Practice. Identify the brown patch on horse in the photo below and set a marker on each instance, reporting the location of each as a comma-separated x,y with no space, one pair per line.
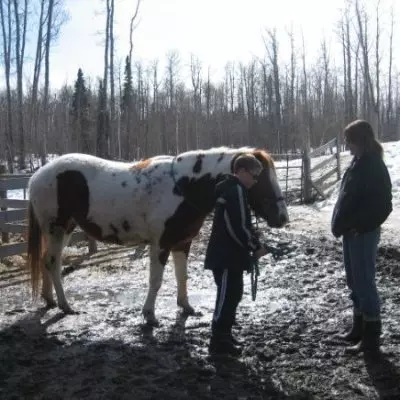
141,165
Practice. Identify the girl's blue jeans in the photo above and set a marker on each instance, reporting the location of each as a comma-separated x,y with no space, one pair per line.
359,256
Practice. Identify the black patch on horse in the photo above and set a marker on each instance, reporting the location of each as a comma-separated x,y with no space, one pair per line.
221,157
114,229
198,201
123,184
126,226
198,163
73,205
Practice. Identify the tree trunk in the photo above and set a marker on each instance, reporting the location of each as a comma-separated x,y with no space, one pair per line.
20,53
34,111
43,148
112,84
7,44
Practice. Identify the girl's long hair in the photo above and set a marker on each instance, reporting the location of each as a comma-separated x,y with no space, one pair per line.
360,132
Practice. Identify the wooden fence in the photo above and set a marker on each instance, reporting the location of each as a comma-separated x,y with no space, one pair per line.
13,217
301,180
320,177
290,175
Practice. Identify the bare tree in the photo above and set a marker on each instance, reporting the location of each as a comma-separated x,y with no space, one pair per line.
112,135
6,28
103,123
307,116
250,83
347,65
20,40
272,50
195,69
54,19
171,84
34,110
370,105
377,103
389,108
132,28
43,148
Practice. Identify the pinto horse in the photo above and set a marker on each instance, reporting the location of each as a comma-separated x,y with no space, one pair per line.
161,201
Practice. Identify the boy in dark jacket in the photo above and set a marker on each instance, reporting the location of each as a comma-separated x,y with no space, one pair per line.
232,242
364,203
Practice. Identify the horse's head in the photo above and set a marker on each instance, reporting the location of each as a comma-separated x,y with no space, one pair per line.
265,197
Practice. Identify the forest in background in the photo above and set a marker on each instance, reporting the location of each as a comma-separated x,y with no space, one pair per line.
138,110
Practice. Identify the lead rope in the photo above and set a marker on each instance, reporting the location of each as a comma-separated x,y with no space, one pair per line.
255,271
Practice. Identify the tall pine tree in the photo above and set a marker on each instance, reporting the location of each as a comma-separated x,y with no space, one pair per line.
80,112
127,111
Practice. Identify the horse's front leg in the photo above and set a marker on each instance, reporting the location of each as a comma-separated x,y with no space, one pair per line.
180,256
158,259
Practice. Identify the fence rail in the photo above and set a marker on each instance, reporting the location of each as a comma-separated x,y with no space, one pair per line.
13,218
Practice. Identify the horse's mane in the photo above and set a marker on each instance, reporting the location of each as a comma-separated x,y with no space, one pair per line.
264,157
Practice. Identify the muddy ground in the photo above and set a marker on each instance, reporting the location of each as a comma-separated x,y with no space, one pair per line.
106,352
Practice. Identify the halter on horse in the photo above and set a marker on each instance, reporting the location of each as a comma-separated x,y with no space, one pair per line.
161,201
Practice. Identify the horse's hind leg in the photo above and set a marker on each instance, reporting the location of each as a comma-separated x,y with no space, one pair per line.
158,259
47,289
52,262
180,256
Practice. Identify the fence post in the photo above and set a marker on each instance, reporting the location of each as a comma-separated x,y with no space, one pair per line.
338,149
287,175
3,195
307,188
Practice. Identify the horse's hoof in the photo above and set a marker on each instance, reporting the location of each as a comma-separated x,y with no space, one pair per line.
50,304
150,318
68,310
186,307
189,310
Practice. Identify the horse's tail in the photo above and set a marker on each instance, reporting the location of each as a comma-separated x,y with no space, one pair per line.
35,248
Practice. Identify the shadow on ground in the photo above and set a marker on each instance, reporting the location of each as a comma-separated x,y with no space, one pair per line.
36,364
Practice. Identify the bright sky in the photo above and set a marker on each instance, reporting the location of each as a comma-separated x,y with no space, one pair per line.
216,31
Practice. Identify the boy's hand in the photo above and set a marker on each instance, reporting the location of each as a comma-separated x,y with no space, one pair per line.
260,252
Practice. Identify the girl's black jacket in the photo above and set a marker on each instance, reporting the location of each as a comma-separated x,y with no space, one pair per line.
365,197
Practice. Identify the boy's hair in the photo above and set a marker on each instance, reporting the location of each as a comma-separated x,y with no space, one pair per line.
360,132
247,162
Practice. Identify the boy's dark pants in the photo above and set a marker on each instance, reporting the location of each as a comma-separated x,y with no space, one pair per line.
230,291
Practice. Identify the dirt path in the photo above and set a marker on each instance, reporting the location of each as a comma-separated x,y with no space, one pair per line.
106,353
